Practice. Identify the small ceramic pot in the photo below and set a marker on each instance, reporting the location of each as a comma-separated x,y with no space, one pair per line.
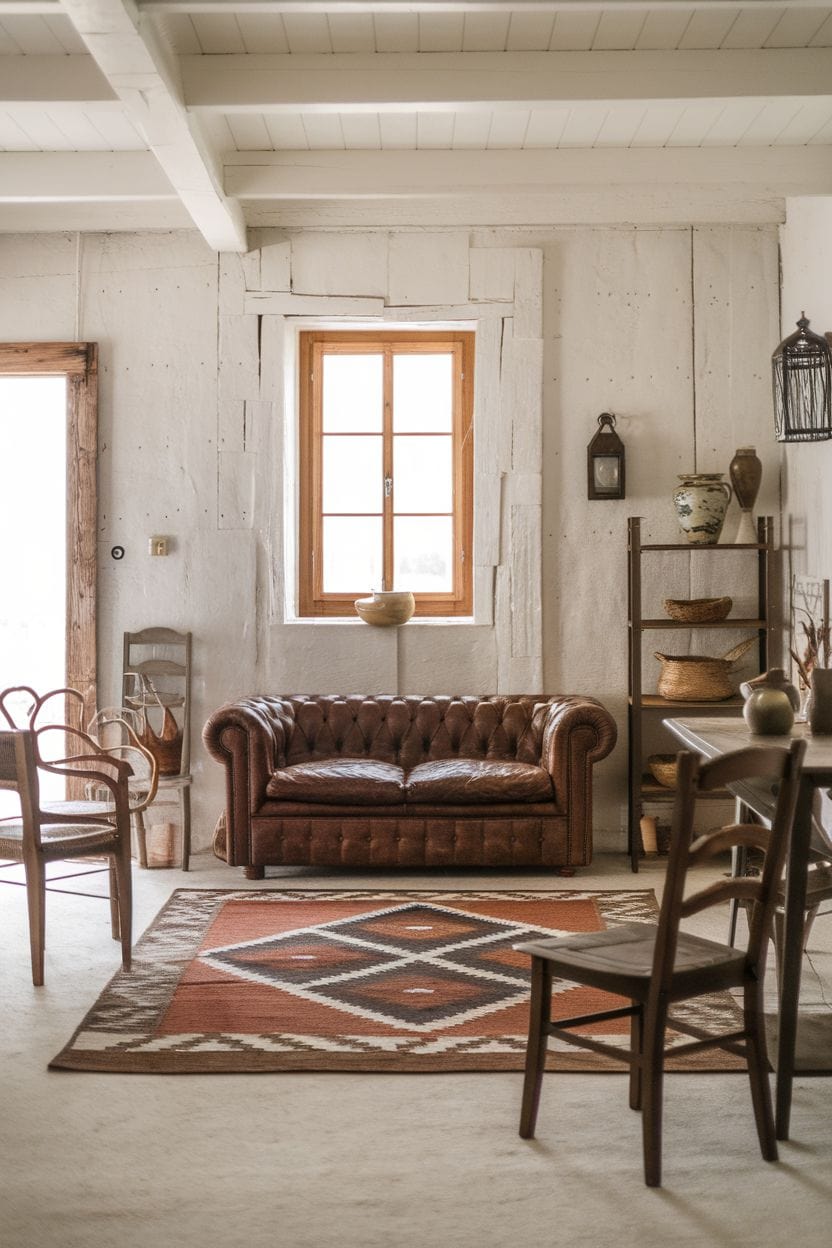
768,713
701,500
386,607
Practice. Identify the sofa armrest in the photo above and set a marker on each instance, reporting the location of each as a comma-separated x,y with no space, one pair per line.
577,732
249,738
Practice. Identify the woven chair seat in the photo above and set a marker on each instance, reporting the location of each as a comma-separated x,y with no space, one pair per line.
82,836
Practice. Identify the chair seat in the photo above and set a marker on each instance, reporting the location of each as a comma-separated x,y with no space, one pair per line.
626,955
76,837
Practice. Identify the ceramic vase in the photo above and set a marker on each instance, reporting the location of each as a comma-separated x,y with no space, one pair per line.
820,706
745,471
701,500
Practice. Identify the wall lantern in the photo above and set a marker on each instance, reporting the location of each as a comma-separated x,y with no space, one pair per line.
802,382
605,461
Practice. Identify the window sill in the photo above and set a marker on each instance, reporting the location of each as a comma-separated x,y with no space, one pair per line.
424,621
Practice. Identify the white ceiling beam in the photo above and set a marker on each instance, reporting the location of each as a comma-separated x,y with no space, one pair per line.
143,72
45,80
82,177
452,6
254,176
424,80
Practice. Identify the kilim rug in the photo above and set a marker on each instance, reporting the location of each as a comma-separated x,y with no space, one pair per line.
262,980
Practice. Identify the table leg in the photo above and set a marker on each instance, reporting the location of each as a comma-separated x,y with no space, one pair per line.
798,859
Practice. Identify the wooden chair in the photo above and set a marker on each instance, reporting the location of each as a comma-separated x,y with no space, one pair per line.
655,966
156,679
55,718
756,802
38,837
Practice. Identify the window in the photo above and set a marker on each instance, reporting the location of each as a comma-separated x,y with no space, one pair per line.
386,456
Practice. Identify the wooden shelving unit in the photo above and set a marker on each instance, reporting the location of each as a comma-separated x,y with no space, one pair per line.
642,786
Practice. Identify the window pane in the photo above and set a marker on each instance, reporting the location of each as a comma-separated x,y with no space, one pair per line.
352,394
422,393
423,554
352,554
352,474
422,474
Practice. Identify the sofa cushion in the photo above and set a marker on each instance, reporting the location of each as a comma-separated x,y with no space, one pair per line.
477,780
339,782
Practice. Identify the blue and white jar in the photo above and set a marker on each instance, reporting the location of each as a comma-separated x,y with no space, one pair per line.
701,500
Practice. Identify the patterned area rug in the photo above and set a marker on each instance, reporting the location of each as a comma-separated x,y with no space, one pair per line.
239,981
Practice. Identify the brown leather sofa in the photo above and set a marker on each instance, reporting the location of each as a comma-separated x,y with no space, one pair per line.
393,781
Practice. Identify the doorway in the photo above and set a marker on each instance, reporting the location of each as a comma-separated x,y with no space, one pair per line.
48,507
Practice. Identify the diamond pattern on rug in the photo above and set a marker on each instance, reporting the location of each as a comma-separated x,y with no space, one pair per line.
419,965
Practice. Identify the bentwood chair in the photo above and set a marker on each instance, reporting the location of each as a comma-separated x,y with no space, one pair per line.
56,719
37,837
656,966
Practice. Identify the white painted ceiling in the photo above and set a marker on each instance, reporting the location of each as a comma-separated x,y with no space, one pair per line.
226,114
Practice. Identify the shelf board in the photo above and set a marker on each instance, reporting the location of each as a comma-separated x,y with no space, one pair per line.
734,623
652,702
652,791
704,546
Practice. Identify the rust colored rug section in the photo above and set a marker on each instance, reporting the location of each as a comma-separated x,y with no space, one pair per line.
244,981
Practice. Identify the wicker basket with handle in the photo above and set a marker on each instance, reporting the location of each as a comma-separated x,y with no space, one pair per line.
699,678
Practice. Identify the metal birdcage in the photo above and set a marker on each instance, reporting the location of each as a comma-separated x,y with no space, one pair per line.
802,382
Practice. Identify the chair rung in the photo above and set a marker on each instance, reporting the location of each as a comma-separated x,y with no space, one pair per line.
624,1011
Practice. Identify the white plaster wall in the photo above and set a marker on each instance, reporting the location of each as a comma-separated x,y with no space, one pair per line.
806,248
193,441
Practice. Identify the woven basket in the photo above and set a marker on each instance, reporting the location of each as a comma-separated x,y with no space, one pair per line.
663,768
698,678
698,610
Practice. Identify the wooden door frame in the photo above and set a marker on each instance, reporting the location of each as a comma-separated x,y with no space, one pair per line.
78,362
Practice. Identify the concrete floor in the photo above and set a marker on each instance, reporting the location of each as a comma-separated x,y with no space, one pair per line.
376,1161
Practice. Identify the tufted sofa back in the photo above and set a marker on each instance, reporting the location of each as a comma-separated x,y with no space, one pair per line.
408,731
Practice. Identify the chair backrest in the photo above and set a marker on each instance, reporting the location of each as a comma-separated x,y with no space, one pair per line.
19,772
156,674
16,705
695,778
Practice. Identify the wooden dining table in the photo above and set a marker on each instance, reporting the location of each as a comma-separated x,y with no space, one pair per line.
712,736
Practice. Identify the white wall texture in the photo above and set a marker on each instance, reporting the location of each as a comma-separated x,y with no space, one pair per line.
806,241
671,329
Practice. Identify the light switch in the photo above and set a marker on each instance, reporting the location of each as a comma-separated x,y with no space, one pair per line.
158,546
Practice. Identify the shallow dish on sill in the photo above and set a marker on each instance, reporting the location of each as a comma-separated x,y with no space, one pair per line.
698,610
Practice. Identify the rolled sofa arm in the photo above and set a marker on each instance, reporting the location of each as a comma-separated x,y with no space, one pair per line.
578,732
249,738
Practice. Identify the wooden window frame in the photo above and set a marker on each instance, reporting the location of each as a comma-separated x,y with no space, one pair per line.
312,601
78,362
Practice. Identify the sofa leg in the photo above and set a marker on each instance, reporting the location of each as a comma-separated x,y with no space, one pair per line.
254,873
566,872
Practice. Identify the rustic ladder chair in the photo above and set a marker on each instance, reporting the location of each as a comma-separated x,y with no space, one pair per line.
756,803
37,837
655,966
156,676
